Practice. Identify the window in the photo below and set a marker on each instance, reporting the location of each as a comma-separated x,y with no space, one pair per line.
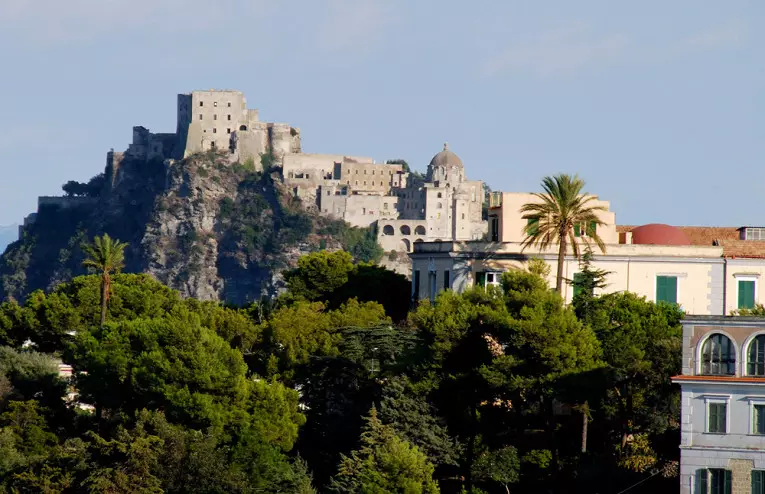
713,481
755,359
717,415
666,289
201,103
718,356
590,229
532,226
440,205
215,131
758,419
385,205
229,116
746,293
578,283
432,283
754,233
758,481
447,280
215,117
439,195
487,278
228,131
229,104
200,116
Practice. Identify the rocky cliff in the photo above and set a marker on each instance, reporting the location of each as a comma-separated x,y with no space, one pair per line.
207,227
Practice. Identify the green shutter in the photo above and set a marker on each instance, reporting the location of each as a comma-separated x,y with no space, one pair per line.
666,289
480,278
758,482
745,294
577,230
702,481
578,280
728,482
592,228
713,417
532,226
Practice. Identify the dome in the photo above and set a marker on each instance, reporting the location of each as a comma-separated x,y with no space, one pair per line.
659,234
446,159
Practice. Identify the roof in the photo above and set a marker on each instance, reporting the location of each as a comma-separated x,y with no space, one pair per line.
659,234
727,379
727,237
446,159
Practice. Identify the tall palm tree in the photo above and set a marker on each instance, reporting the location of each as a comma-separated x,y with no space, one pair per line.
562,214
105,255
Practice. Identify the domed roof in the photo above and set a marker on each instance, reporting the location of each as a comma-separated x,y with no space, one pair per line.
659,234
446,159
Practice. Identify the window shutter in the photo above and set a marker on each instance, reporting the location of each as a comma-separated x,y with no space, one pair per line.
578,279
532,226
592,228
745,294
713,417
480,278
727,482
660,288
758,482
702,483
672,289
577,228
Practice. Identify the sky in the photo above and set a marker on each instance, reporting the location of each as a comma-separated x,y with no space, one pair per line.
659,106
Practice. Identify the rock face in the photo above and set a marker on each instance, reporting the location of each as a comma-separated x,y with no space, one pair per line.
212,229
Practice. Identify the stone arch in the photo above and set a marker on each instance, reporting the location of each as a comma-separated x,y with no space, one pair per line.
717,354
405,230
388,230
419,230
405,245
418,241
242,127
439,195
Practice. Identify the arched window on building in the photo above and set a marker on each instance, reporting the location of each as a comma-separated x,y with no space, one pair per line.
718,356
388,230
755,357
242,127
440,205
405,230
420,230
440,195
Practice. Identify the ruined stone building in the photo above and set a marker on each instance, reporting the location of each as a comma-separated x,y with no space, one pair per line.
213,119
406,209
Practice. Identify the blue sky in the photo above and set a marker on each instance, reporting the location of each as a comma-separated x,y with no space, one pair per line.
658,105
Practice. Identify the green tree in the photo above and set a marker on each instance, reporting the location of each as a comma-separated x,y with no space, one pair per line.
105,256
384,463
319,274
562,213
585,284
499,466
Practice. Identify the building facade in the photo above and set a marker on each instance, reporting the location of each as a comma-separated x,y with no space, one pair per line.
690,266
405,209
723,405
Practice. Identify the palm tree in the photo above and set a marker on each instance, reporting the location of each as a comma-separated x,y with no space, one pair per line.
562,214
105,255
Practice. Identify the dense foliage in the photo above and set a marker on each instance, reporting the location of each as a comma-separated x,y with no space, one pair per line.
337,386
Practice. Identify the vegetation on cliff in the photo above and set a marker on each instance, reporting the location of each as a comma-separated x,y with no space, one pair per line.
211,229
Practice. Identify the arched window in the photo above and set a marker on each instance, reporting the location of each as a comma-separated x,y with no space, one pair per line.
419,230
439,195
718,356
242,127
405,230
755,363
440,205
388,230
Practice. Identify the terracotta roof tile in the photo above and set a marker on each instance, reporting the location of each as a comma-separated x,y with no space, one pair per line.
728,237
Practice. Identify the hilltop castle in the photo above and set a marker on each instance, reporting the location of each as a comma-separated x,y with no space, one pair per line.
405,208
209,120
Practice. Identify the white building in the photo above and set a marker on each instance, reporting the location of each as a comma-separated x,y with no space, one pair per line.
723,405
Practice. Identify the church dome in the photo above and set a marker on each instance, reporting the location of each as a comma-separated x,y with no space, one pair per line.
446,159
659,234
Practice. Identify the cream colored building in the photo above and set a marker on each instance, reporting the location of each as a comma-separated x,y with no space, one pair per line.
705,275
404,209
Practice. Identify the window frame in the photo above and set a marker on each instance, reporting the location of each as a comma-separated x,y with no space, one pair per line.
700,355
716,400
745,355
746,278
755,401
760,481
